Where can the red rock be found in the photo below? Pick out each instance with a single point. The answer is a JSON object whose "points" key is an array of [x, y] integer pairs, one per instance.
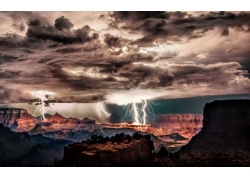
{"points": [[98, 154]]}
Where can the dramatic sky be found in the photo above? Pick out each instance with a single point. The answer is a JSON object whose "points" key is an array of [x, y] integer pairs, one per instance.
{"points": [[123, 57]]}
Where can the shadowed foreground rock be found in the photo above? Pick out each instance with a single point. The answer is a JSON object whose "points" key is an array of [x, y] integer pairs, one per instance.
{"points": [[224, 139], [226, 127], [130, 151]]}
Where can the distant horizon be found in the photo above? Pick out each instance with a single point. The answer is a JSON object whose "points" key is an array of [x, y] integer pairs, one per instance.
{"points": [[191, 105]]}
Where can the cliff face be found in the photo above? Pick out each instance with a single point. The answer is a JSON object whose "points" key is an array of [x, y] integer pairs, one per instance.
{"points": [[17, 119], [226, 127], [9, 115], [186, 125], [20, 120]]}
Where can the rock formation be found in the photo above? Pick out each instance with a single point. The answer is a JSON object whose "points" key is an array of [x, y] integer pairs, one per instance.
{"points": [[58, 127], [17, 119], [226, 128], [186, 125], [126, 152]]}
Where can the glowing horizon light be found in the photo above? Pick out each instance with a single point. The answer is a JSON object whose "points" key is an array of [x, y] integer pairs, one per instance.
{"points": [[41, 94], [125, 97], [129, 98]]}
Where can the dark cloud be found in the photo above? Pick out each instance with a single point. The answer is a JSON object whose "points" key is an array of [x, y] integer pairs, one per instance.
{"points": [[169, 25], [33, 22], [112, 41], [60, 32], [98, 98], [7, 58], [165, 80], [151, 52], [63, 23], [68, 50], [7, 74], [138, 15], [225, 32], [10, 40], [193, 74], [44, 60]]}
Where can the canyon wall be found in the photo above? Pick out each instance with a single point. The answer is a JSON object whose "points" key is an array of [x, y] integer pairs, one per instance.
{"points": [[17, 119], [226, 128], [186, 125], [20, 120]]}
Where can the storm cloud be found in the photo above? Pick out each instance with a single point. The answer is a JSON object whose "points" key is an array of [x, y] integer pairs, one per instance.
{"points": [[130, 54], [60, 32]]}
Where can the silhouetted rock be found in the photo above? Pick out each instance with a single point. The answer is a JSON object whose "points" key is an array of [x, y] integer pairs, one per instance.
{"points": [[21, 149], [122, 153], [226, 128], [163, 152]]}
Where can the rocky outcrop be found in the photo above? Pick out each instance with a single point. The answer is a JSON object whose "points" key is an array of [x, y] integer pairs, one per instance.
{"points": [[20, 120], [9, 115], [109, 154], [226, 128], [37, 130], [17, 119]]}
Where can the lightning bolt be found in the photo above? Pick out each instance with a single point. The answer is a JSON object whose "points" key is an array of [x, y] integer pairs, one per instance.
{"points": [[151, 110], [144, 111], [136, 113], [128, 111], [41, 95], [101, 109], [140, 115]]}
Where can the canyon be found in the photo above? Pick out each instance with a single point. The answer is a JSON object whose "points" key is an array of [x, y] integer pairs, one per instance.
{"points": [[219, 137], [164, 130]]}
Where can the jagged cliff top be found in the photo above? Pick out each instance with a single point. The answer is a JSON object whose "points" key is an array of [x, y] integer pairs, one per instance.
{"points": [[229, 102], [11, 108]]}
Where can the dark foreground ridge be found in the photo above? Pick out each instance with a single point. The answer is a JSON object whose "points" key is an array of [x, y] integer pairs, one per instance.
{"points": [[225, 137], [226, 127], [21, 149], [119, 150]]}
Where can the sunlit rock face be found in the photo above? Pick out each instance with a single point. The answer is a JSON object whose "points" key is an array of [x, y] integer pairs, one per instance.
{"points": [[57, 122], [17, 119], [226, 127], [168, 130], [186, 125], [171, 131], [9, 115]]}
